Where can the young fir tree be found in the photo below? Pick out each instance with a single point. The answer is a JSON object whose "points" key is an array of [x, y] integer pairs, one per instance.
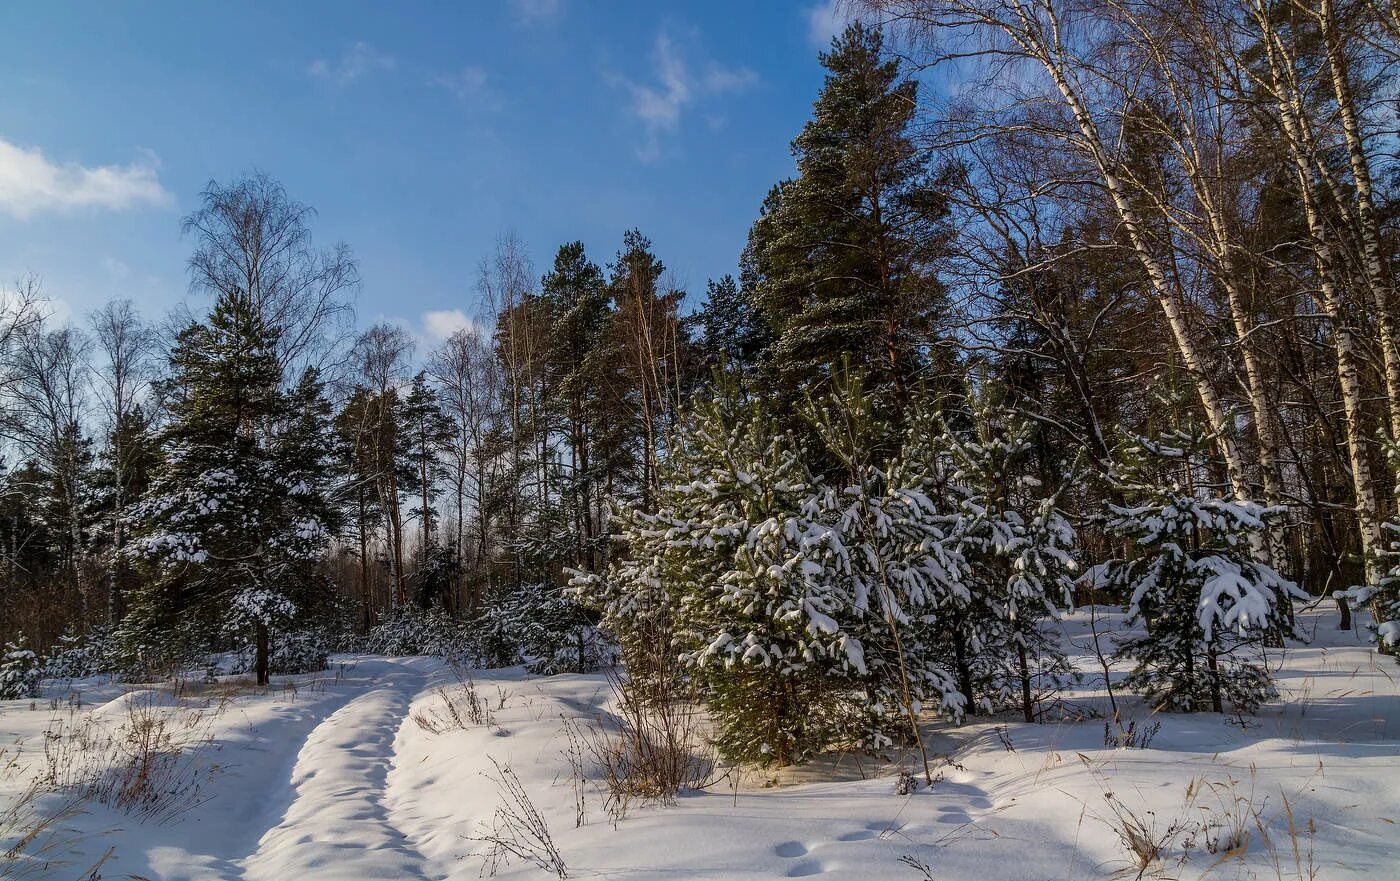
{"points": [[1194, 581], [1018, 547], [235, 522], [843, 253], [20, 670]]}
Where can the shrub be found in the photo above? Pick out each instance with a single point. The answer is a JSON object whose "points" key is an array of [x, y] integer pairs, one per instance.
{"points": [[290, 651], [20, 670], [545, 628], [409, 630]]}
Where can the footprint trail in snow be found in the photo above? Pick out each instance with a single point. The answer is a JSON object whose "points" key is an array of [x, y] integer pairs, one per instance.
{"points": [[339, 815]]}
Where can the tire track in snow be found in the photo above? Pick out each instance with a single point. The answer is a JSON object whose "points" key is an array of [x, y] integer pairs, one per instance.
{"points": [[338, 825]]}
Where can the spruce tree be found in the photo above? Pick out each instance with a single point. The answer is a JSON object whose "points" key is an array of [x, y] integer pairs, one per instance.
{"points": [[424, 432], [732, 333]]}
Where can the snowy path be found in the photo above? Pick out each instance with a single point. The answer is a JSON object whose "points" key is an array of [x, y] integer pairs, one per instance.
{"points": [[340, 812]]}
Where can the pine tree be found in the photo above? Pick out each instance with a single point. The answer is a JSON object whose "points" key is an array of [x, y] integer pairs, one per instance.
{"points": [[236, 521], [1194, 582], [354, 442], [122, 474], [648, 334], [1018, 546], [843, 254], [581, 385], [730, 571], [898, 547]]}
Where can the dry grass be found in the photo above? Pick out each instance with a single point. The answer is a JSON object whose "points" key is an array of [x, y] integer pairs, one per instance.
{"points": [[33, 827], [459, 707], [1141, 835], [654, 748], [149, 765], [1223, 821], [573, 753]]}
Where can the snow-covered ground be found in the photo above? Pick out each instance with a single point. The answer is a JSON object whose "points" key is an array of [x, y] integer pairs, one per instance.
{"points": [[328, 776]]}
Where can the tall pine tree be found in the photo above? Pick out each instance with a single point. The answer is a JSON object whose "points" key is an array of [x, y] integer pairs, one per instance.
{"points": [[844, 253]]}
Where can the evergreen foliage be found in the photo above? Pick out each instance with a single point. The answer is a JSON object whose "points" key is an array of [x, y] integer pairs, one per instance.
{"points": [[235, 525], [20, 670], [1194, 581], [1020, 553], [843, 254]]}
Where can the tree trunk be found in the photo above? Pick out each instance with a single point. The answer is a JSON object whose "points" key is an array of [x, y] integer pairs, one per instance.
{"points": [[1213, 663], [1367, 221], [366, 598], [1032, 41], [1027, 704], [261, 662], [1348, 372]]}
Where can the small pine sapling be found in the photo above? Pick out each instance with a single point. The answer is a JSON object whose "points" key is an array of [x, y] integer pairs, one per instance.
{"points": [[1196, 582], [892, 545], [733, 572], [1019, 548]]}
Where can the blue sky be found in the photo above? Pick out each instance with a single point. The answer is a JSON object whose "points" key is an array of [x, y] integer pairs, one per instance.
{"points": [[420, 132]]}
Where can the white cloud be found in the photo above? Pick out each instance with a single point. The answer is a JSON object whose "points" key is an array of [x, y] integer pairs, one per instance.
{"points": [[728, 79], [532, 11], [439, 324], [358, 61], [825, 20], [115, 269], [659, 105], [30, 183], [467, 84]]}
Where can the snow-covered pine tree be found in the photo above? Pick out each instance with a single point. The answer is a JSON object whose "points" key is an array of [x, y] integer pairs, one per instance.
{"points": [[1195, 581], [895, 546], [735, 565], [1019, 549], [236, 519]]}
